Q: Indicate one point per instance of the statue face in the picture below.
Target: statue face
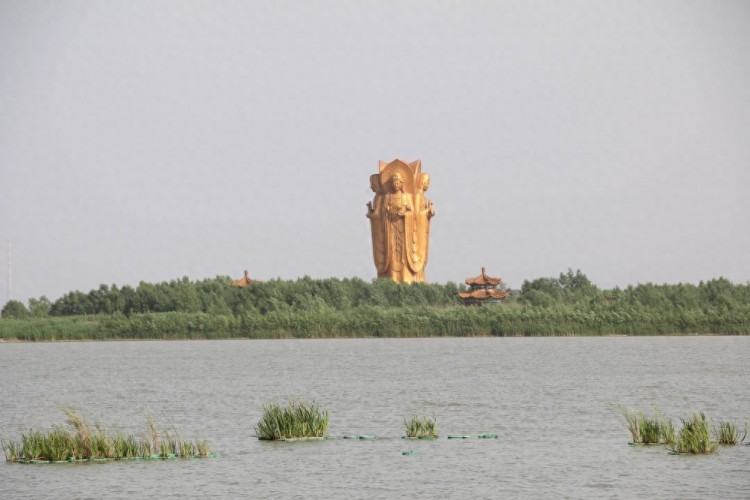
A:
(375, 183)
(426, 182)
(398, 184)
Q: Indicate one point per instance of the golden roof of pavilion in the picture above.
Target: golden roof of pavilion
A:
(244, 281)
(483, 280)
(483, 294)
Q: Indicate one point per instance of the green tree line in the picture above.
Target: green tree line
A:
(566, 305)
(576, 288)
(215, 296)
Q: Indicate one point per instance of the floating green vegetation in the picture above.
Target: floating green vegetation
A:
(421, 427)
(78, 441)
(695, 437)
(645, 430)
(359, 436)
(729, 433)
(488, 436)
(297, 420)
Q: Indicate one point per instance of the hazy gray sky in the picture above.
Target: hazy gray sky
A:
(152, 140)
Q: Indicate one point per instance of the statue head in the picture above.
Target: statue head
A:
(375, 183)
(397, 182)
(425, 181)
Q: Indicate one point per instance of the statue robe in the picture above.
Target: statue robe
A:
(402, 260)
(422, 231)
(376, 215)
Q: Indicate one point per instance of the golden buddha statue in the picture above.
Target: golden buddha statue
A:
(400, 221)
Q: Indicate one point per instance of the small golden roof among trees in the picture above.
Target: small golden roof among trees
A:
(244, 281)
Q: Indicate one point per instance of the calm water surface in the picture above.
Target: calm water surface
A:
(553, 401)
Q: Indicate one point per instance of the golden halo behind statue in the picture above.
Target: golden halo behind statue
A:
(406, 173)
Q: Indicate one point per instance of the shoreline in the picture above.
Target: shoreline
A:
(367, 337)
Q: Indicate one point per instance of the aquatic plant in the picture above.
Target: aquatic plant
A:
(168, 447)
(79, 441)
(10, 449)
(695, 437)
(83, 436)
(650, 430)
(297, 420)
(728, 432)
(645, 430)
(667, 432)
(202, 449)
(187, 449)
(633, 421)
(421, 427)
(56, 444)
(152, 434)
(127, 446)
(101, 443)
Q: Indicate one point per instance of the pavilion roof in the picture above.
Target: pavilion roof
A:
(483, 294)
(244, 281)
(483, 280)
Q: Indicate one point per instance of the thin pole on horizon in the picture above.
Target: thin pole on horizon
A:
(10, 279)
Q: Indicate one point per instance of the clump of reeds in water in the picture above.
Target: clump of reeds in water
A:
(421, 427)
(80, 441)
(729, 433)
(645, 430)
(296, 420)
(695, 437)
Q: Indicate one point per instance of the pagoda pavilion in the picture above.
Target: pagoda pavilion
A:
(244, 281)
(483, 290)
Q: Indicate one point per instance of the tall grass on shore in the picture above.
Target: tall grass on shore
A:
(384, 321)
(727, 432)
(296, 420)
(421, 427)
(80, 441)
(695, 437)
(645, 430)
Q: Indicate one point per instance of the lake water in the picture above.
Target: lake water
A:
(553, 402)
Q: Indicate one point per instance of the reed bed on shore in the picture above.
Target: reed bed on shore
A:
(421, 427)
(78, 440)
(294, 421)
